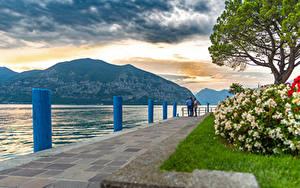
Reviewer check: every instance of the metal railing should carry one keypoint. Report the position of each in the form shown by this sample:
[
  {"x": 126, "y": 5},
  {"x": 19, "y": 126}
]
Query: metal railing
[{"x": 200, "y": 110}]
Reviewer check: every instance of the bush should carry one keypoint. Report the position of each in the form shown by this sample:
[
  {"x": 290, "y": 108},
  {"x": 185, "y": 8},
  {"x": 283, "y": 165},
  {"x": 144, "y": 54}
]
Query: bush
[{"x": 265, "y": 120}]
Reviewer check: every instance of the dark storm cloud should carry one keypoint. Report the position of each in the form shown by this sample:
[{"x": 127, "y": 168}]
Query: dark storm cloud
[{"x": 102, "y": 21}]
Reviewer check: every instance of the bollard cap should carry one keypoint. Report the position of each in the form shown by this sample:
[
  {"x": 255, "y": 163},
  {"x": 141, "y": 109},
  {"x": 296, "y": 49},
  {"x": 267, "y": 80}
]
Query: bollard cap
[{"x": 41, "y": 90}]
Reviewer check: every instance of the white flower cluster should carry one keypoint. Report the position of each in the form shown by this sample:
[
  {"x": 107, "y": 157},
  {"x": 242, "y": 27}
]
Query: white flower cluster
[{"x": 265, "y": 120}]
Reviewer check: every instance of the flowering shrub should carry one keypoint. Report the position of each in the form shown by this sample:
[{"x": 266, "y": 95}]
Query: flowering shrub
[{"x": 265, "y": 120}]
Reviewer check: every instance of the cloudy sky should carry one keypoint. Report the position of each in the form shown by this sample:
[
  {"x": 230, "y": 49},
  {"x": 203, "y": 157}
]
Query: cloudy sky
[{"x": 166, "y": 37}]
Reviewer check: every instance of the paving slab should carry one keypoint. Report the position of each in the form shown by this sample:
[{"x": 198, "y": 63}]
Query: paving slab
[
  {"x": 87, "y": 164},
  {"x": 37, "y": 183},
  {"x": 13, "y": 181}
]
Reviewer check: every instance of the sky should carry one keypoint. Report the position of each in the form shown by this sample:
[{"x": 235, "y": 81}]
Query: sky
[{"x": 169, "y": 38}]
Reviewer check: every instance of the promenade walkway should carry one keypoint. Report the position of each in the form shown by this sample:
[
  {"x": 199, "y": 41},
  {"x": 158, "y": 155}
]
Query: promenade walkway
[{"x": 85, "y": 166}]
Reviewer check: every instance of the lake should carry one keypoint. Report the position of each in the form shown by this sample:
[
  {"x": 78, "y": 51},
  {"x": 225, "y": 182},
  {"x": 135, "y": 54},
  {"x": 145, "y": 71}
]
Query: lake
[{"x": 70, "y": 123}]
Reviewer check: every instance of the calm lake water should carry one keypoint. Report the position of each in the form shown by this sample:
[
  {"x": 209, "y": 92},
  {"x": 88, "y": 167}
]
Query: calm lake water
[{"x": 70, "y": 123}]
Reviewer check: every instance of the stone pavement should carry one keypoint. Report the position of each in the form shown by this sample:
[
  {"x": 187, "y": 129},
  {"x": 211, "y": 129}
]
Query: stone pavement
[{"x": 86, "y": 166}]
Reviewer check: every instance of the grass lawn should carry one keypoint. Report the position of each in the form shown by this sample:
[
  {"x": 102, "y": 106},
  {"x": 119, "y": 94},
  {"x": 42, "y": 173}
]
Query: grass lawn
[{"x": 203, "y": 150}]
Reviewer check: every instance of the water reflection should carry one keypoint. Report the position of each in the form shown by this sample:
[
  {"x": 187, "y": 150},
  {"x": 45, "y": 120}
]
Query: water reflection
[{"x": 70, "y": 123}]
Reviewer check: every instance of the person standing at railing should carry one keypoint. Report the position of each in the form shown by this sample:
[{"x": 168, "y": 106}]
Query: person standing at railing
[
  {"x": 192, "y": 107},
  {"x": 195, "y": 106},
  {"x": 189, "y": 103}
]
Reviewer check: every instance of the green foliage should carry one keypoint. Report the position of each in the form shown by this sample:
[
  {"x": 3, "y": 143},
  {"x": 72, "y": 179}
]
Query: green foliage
[
  {"x": 236, "y": 88},
  {"x": 258, "y": 32},
  {"x": 265, "y": 120},
  {"x": 202, "y": 149}
]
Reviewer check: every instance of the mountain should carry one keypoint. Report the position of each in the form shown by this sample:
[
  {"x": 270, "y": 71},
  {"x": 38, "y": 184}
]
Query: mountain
[
  {"x": 211, "y": 96},
  {"x": 27, "y": 73},
  {"x": 6, "y": 74},
  {"x": 88, "y": 81}
]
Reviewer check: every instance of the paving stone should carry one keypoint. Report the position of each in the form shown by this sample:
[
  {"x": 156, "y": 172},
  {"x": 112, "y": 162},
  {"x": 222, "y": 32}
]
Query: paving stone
[
  {"x": 68, "y": 184},
  {"x": 154, "y": 137},
  {"x": 98, "y": 152},
  {"x": 111, "y": 143},
  {"x": 118, "y": 143},
  {"x": 49, "y": 173},
  {"x": 37, "y": 183},
  {"x": 103, "y": 152},
  {"x": 8, "y": 171},
  {"x": 35, "y": 165},
  {"x": 117, "y": 163},
  {"x": 95, "y": 168},
  {"x": 98, "y": 177},
  {"x": 86, "y": 161},
  {"x": 27, "y": 172},
  {"x": 79, "y": 150},
  {"x": 65, "y": 155},
  {"x": 46, "y": 159},
  {"x": 85, "y": 155},
  {"x": 101, "y": 162},
  {"x": 65, "y": 160},
  {"x": 76, "y": 174},
  {"x": 110, "y": 169},
  {"x": 59, "y": 166},
  {"x": 1, "y": 177},
  {"x": 132, "y": 150},
  {"x": 13, "y": 181},
  {"x": 107, "y": 148},
  {"x": 108, "y": 157},
  {"x": 121, "y": 158},
  {"x": 143, "y": 141}
]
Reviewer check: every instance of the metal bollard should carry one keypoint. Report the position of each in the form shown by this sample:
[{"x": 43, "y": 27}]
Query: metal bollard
[
  {"x": 150, "y": 111},
  {"x": 174, "y": 109},
  {"x": 41, "y": 114},
  {"x": 165, "y": 110},
  {"x": 117, "y": 113}
]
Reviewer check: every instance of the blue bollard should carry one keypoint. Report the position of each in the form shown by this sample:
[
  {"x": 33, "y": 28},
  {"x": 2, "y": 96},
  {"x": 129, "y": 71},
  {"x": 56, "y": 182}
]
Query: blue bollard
[
  {"x": 165, "y": 110},
  {"x": 207, "y": 107},
  {"x": 41, "y": 114},
  {"x": 174, "y": 109},
  {"x": 150, "y": 111},
  {"x": 117, "y": 113}
]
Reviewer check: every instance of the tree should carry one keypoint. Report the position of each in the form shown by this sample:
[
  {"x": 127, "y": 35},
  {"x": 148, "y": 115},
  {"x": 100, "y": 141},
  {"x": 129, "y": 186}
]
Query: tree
[
  {"x": 236, "y": 88},
  {"x": 260, "y": 33}
]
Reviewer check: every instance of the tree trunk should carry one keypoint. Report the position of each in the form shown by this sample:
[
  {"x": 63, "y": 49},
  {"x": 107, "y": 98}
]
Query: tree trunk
[{"x": 282, "y": 78}]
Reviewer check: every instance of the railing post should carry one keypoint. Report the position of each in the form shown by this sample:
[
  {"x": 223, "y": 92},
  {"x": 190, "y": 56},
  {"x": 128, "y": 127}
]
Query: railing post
[
  {"x": 41, "y": 114},
  {"x": 182, "y": 111},
  {"x": 174, "y": 109},
  {"x": 165, "y": 110},
  {"x": 150, "y": 111},
  {"x": 207, "y": 107},
  {"x": 117, "y": 113}
]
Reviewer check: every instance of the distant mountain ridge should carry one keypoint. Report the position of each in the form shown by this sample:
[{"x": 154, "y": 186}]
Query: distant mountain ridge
[
  {"x": 6, "y": 74},
  {"x": 212, "y": 96},
  {"x": 89, "y": 81}
]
